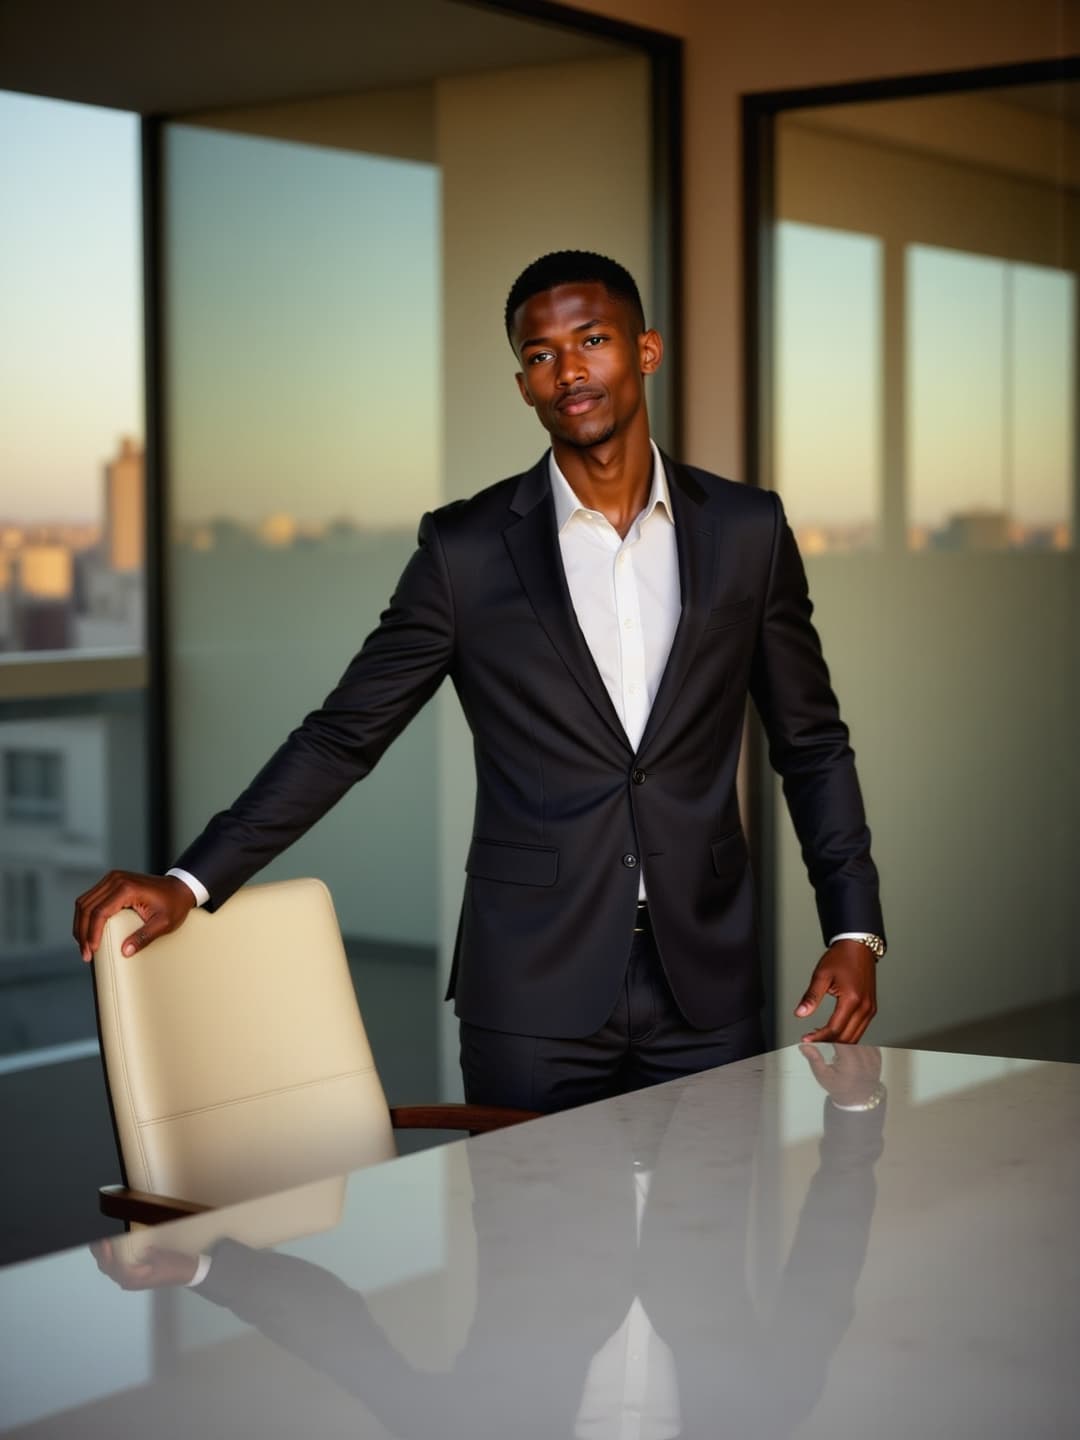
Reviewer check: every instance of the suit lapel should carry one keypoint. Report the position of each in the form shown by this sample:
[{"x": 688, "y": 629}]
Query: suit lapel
[
  {"x": 534, "y": 548},
  {"x": 696, "y": 544}
]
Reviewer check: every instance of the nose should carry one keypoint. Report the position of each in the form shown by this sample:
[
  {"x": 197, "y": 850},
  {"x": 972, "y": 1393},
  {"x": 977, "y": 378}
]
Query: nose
[{"x": 570, "y": 367}]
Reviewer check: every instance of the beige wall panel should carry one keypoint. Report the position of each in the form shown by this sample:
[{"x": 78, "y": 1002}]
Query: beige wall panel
[{"x": 535, "y": 159}]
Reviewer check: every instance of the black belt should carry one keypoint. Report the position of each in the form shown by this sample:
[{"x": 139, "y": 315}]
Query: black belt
[{"x": 642, "y": 923}]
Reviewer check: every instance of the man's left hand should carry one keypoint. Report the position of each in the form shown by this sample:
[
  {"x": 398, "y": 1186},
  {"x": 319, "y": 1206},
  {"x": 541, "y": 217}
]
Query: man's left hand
[{"x": 847, "y": 972}]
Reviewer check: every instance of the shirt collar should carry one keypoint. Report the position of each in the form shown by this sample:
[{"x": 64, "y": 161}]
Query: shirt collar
[{"x": 567, "y": 504}]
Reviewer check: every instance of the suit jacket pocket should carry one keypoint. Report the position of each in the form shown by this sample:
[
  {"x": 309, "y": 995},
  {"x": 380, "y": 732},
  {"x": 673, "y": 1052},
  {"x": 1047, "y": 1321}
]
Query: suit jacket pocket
[
  {"x": 730, "y": 854},
  {"x": 730, "y": 614},
  {"x": 513, "y": 864}
]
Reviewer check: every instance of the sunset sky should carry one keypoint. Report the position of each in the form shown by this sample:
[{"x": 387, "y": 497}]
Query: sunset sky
[
  {"x": 306, "y": 355},
  {"x": 70, "y": 303}
]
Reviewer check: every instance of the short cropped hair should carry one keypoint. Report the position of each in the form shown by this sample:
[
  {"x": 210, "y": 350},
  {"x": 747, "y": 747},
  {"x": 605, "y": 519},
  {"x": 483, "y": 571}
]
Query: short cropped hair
[{"x": 574, "y": 267}]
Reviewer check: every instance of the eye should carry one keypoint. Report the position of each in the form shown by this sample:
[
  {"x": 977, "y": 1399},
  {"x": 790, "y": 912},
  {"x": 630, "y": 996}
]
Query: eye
[
  {"x": 537, "y": 356},
  {"x": 596, "y": 340}
]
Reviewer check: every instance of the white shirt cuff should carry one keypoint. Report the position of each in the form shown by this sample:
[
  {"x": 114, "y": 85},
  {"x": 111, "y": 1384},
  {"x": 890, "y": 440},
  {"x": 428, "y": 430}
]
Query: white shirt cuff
[
  {"x": 844, "y": 934},
  {"x": 202, "y": 1269},
  {"x": 197, "y": 888}
]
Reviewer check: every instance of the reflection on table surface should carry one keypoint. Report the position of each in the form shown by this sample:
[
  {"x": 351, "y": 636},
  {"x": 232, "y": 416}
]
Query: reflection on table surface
[{"x": 729, "y": 1254}]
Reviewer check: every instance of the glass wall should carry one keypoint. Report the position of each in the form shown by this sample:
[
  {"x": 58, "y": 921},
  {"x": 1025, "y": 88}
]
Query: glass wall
[
  {"x": 925, "y": 393},
  {"x": 72, "y": 668}
]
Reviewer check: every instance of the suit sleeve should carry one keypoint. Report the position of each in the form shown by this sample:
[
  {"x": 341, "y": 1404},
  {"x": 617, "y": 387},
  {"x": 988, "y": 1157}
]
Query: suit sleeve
[
  {"x": 808, "y": 746},
  {"x": 317, "y": 1317},
  {"x": 400, "y": 666}
]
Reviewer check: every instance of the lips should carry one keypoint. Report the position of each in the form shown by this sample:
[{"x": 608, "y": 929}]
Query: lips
[{"x": 576, "y": 402}]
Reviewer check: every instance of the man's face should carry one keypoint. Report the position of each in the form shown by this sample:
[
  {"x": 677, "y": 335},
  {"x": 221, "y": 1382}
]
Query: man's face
[{"x": 583, "y": 362}]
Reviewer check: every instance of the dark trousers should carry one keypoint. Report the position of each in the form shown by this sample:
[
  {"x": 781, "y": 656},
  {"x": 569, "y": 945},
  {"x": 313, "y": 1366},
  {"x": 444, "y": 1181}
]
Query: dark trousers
[{"x": 644, "y": 1042}]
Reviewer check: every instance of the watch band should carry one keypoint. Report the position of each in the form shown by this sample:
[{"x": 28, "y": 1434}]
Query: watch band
[{"x": 872, "y": 1101}]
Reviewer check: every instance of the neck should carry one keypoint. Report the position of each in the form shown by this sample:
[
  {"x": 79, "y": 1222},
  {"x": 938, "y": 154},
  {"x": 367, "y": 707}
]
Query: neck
[{"x": 614, "y": 478}]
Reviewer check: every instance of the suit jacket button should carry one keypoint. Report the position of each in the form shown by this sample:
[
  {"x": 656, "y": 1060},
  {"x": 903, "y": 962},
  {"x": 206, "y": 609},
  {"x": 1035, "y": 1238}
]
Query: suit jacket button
[
  {"x": 638, "y": 777},
  {"x": 630, "y": 861}
]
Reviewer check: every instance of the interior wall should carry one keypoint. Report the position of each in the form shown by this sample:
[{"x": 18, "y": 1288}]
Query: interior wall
[{"x": 520, "y": 174}]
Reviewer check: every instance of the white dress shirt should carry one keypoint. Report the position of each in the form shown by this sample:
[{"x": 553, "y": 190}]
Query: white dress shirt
[
  {"x": 631, "y": 1387},
  {"x": 625, "y": 594}
]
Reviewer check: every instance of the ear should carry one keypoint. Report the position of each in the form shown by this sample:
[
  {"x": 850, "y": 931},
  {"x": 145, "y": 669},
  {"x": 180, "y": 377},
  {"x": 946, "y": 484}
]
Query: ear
[
  {"x": 520, "y": 378},
  {"x": 650, "y": 351}
]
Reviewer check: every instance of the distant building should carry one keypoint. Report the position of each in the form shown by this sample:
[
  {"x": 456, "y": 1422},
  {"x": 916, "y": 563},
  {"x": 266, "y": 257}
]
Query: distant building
[
  {"x": 111, "y": 615},
  {"x": 46, "y": 572},
  {"x": 44, "y": 600},
  {"x": 54, "y": 828},
  {"x": 125, "y": 510},
  {"x": 837, "y": 539},
  {"x": 7, "y": 601},
  {"x": 975, "y": 530}
]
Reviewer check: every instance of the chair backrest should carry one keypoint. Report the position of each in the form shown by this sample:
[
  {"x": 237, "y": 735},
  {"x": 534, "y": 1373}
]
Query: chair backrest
[{"x": 234, "y": 1050}]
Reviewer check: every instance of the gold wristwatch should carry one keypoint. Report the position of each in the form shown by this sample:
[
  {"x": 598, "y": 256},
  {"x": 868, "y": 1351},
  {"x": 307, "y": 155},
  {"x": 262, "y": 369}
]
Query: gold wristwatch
[{"x": 874, "y": 943}]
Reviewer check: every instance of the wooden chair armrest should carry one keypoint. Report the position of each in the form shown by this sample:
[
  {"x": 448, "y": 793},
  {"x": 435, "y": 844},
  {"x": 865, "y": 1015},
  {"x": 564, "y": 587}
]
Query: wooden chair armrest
[
  {"x": 476, "y": 1119},
  {"x": 143, "y": 1208}
]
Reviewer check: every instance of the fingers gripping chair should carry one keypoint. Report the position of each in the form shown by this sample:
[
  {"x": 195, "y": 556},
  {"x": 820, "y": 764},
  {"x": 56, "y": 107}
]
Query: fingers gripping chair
[{"x": 236, "y": 1058}]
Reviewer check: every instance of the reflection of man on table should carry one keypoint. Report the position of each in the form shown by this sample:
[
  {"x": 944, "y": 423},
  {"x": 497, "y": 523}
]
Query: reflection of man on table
[
  {"x": 609, "y": 1304},
  {"x": 603, "y": 617}
]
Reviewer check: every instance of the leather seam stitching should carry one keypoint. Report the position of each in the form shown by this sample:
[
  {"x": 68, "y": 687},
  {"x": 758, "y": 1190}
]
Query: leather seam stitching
[
  {"x": 122, "y": 1049},
  {"x": 256, "y": 1095}
]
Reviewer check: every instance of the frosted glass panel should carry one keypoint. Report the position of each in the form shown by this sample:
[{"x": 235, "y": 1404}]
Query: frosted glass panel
[
  {"x": 1044, "y": 402},
  {"x": 953, "y": 644},
  {"x": 828, "y": 385},
  {"x": 303, "y": 403},
  {"x": 990, "y": 402}
]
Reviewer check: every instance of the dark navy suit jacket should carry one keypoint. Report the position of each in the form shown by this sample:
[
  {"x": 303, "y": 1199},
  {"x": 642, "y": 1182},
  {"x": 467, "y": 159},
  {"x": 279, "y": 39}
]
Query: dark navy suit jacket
[{"x": 566, "y": 809}]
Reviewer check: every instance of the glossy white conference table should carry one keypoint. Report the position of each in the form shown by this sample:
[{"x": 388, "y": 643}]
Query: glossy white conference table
[{"x": 725, "y": 1255}]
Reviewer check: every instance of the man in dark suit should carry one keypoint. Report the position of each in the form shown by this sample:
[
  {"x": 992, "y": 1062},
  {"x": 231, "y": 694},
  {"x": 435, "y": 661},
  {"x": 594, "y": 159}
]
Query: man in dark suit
[{"x": 602, "y": 617}]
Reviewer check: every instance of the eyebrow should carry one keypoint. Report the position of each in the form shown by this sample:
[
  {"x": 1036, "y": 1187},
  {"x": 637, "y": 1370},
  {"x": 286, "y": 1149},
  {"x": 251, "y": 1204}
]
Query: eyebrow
[{"x": 543, "y": 340}]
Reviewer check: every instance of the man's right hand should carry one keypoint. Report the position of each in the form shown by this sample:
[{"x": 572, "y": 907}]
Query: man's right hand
[{"x": 162, "y": 902}]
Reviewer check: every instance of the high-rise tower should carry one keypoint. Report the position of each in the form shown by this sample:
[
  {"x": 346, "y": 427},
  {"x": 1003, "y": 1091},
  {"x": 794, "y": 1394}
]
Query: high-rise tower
[{"x": 125, "y": 509}]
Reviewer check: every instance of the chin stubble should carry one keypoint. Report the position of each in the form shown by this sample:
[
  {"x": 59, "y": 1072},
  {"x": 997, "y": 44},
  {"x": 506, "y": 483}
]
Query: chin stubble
[{"x": 576, "y": 443}]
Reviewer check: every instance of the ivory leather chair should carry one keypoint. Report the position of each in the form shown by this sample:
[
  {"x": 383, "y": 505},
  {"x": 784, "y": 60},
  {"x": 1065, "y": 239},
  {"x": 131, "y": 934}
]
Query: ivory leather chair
[{"x": 236, "y": 1059}]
